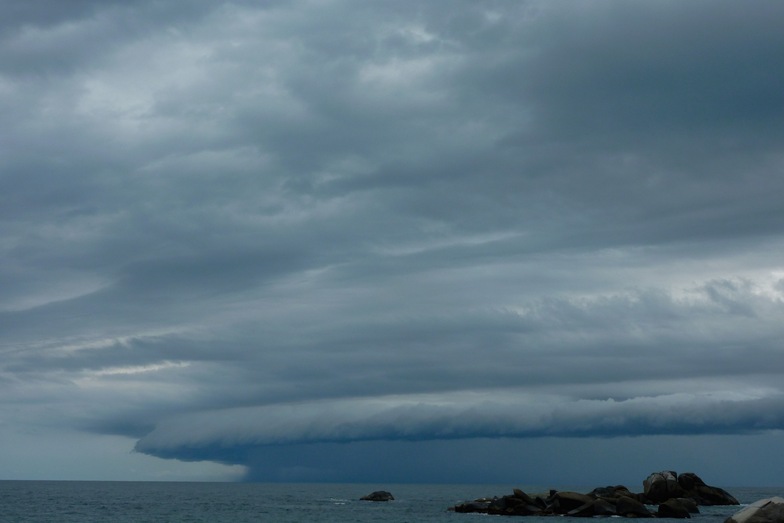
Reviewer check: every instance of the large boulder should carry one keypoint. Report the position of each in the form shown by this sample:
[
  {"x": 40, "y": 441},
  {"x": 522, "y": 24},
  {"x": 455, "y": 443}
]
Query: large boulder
[
  {"x": 379, "y": 495},
  {"x": 604, "y": 507},
  {"x": 512, "y": 506},
  {"x": 611, "y": 493},
  {"x": 768, "y": 510},
  {"x": 673, "y": 508},
  {"x": 690, "y": 480},
  {"x": 690, "y": 505},
  {"x": 566, "y": 502},
  {"x": 661, "y": 486},
  {"x": 631, "y": 508},
  {"x": 707, "y": 495}
]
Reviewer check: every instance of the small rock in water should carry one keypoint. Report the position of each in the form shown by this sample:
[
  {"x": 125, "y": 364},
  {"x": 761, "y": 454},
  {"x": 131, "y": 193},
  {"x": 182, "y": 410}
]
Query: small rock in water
[{"x": 379, "y": 495}]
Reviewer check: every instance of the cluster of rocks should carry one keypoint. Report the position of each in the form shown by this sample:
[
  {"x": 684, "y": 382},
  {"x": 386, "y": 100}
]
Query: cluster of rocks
[{"x": 677, "y": 496}]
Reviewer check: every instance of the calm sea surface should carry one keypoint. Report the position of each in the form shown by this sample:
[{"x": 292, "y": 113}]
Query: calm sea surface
[{"x": 124, "y": 502}]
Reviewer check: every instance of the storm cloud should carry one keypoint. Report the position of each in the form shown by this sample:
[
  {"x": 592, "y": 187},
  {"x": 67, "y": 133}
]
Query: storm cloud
[{"x": 235, "y": 229}]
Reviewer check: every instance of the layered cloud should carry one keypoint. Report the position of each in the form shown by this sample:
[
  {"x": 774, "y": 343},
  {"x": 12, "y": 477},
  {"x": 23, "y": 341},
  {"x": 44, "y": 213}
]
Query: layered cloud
[
  {"x": 463, "y": 415},
  {"x": 230, "y": 226}
]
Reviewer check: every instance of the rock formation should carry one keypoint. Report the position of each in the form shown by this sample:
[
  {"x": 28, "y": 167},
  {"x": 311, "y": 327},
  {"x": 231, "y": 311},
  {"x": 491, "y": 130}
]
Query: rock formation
[
  {"x": 556, "y": 503},
  {"x": 662, "y": 486},
  {"x": 676, "y": 497}
]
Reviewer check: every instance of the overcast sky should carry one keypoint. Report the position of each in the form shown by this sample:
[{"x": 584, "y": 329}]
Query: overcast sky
[{"x": 451, "y": 241}]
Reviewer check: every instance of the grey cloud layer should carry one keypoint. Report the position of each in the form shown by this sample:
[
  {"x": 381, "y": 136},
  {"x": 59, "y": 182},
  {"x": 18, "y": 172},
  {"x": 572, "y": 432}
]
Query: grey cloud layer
[
  {"x": 459, "y": 416},
  {"x": 213, "y": 210}
]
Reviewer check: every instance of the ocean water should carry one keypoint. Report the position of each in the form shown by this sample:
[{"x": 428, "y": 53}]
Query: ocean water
[{"x": 139, "y": 502}]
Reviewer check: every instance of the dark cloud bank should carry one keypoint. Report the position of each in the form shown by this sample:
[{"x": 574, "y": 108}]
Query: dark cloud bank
[{"x": 397, "y": 240}]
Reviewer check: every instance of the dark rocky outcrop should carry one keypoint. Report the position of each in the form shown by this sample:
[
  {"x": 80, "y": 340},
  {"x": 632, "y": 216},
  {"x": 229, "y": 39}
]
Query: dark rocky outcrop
[
  {"x": 556, "y": 503},
  {"x": 603, "y": 507},
  {"x": 477, "y": 506},
  {"x": 513, "y": 505},
  {"x": 768, "y": 510},
  {"x": 676, "y": 497},
  {"x": 612, "y": 492},
  {"x": 662, "y": 486},
  {"x": 632, "y": 508},
  {"x": 379, "y": 495},
  {"x": 690, "y": 505},
  {"x": 571, "y": 503},
  {"x": 673, "y": 508}
]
